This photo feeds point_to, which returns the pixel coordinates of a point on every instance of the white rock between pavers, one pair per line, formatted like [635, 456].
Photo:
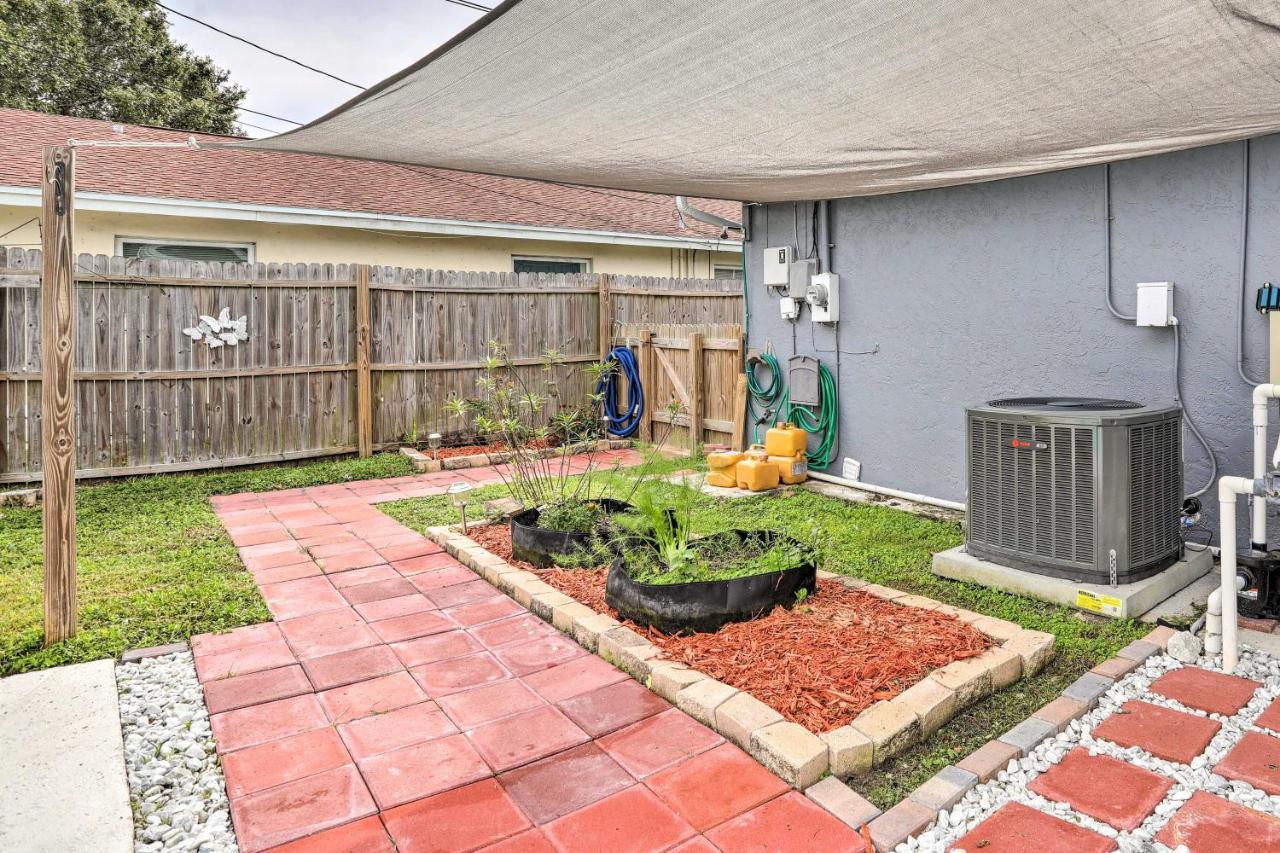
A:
[175, 778]
[1185, 647]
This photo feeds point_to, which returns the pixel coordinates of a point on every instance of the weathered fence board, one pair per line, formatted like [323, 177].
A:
[150, 399]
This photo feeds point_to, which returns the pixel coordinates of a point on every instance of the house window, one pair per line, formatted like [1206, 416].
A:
[183, 250]
[534, 263]
[723, 272]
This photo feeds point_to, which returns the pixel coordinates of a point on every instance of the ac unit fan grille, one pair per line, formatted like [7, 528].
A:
[1154, 486]
[1039, 502]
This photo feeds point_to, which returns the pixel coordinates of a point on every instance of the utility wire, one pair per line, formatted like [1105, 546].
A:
[467, 4]
[257, 46]
[22, 225]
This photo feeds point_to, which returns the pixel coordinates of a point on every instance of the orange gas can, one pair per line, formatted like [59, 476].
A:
[756, 473]
[794, 469]
[721, 467]
[785, 439]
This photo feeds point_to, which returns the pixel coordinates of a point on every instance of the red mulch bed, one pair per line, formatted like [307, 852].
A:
[819, 664]
[477, 449]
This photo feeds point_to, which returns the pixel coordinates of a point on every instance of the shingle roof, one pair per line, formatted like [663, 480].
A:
[305, 180]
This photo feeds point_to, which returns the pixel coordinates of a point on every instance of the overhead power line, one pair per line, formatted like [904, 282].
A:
[467, 4]
[268, 115]
[257, 46]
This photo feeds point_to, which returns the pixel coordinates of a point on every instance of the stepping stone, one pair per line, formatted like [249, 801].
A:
[1016, 828]
[300, 808]
[1270, 718]
[631, 821]
[1105, 788]
[789, 822]
[1209, 824]
[1163, 732]
[463, 819]
[63, 787]
[1208, 691]
[1256, 760]
[715, 786]
[565, 782]
[660, 741]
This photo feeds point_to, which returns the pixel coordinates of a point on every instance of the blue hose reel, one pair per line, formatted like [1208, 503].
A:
[622, 424]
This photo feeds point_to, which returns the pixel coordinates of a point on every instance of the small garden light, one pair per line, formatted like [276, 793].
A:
[458, 494]
[433, 441]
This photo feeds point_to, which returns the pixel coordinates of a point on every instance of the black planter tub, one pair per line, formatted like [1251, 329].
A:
[675, 608]
[533, 544]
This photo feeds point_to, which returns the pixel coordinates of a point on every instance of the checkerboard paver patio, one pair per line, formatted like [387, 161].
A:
[398, 702]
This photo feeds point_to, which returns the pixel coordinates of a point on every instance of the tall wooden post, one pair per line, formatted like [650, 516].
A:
[645, 366]
[57, 335]
[697, 392]
[606, 315]
[364, 375]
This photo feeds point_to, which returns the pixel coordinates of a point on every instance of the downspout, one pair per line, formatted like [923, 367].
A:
[686, 209]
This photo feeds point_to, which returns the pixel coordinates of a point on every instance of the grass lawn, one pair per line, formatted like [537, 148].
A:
[895, 548]
[155, 565]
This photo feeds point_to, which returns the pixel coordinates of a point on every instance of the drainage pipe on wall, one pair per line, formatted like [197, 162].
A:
[888, 492]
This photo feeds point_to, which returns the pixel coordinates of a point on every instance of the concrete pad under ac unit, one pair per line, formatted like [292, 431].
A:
[1124, 601]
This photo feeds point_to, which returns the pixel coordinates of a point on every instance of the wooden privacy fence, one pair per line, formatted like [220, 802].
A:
[699, 369]
[338, 358]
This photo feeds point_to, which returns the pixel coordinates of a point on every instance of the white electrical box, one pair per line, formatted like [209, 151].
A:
[790, 308]
[1155, 303]
[777, 266]
[823, 297]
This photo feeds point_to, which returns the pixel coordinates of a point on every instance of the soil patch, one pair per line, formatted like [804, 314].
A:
[477, 449]
[819, 664]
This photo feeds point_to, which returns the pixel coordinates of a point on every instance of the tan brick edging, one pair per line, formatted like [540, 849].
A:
[424, 464]
[797, 755]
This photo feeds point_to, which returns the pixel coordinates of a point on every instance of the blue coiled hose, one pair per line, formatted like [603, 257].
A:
[622, 424]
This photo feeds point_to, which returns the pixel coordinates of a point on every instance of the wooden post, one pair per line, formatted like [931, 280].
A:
[646, 382]
[606, 315]
[739, 438]
[696, 401]
[364, 375]
[57, 336]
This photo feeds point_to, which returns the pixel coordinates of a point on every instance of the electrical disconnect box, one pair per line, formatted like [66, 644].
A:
[823, 297]
[1155, 303]
[777, 267]
[799, 276]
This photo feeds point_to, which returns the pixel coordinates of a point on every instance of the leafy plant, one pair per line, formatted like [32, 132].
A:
[571, 517]
[670, 521]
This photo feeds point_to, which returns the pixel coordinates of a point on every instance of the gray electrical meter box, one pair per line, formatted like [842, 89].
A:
[800, 274]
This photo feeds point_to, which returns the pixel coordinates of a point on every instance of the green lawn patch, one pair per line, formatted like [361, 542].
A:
[155, 565]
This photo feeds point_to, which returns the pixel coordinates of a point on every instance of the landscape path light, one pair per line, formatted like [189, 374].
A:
[459, 493]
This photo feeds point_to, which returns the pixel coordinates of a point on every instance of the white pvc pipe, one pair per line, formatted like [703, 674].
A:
[888, 492]
[1262, 395]
[1213, 619]
[1229, 489]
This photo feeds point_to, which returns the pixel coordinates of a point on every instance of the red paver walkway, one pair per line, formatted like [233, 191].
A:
[398, 699]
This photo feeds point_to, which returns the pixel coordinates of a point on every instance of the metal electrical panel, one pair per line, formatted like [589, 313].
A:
[802, 380]
[1155, 303]
[777, 266]
[798, 278]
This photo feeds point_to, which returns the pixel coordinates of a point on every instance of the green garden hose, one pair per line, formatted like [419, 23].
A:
[821, 423]
[764, 398]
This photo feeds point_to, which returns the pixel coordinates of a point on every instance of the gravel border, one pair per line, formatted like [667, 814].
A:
[175, 779]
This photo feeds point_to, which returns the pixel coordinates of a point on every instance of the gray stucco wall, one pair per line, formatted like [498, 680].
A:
[996, 289]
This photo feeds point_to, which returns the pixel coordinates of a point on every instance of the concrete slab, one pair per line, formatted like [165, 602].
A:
[64, 787]
[1122, 602]
[1186, 602]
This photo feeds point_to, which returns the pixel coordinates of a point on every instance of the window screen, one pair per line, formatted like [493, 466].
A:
[728, 272]
[552, 265]
[184, 251]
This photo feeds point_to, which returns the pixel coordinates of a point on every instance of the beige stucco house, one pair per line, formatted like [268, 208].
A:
[211, 202]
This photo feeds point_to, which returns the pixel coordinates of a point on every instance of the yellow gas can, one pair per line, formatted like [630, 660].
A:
[785, 439]
[722, 467]
[794, 469]
[756, 473]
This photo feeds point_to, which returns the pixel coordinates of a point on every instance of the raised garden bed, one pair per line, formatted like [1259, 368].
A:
[899, 665]
[543, 547]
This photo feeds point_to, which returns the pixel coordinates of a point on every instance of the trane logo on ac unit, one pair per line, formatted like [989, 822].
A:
[1021, 444]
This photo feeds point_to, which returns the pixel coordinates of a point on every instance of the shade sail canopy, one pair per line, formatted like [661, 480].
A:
[775, 100]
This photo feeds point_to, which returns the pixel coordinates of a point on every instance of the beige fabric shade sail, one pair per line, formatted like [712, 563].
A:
[776, 100]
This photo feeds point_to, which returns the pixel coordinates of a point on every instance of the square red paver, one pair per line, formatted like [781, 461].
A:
[262, 723]
[352, 666]
[660, 741]
[396, 729]
[375, 696]
[462, 593]
[366, 592]
[301, 808]
[789, 822]
[301, 597]
[485, 611]
[580, 675]
[356, 558]
[242, 661]
[1105, 788]
[540, 653]
[327, 633]
[359, 577]
[1256, 760]
[472, 708]
[362, 836]
[514, 629]
[565, 782]
[249, 635]
[434, 571]
[525, 737]
[631, 821]
[413, 772]
[1209, 824]
[255, 688]
[291, 572]
[462, 819]
[420, 547]
[443, 677]
[266, 765]
[1214, 692]
[1270, 718]
[424, 623]
[1163, 732]
[437, 647]
[1016, 828]
[609, 708]
[715, 786]
[529, 841]
[390, 608]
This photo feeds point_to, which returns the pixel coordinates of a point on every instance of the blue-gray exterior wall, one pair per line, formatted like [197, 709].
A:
[988, 290]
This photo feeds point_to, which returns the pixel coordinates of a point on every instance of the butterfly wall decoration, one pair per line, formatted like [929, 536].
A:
[219, 331]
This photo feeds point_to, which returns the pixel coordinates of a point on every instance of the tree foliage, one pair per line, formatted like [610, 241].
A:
[109, 59]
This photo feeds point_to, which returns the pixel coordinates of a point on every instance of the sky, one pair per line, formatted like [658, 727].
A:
[363, 42]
